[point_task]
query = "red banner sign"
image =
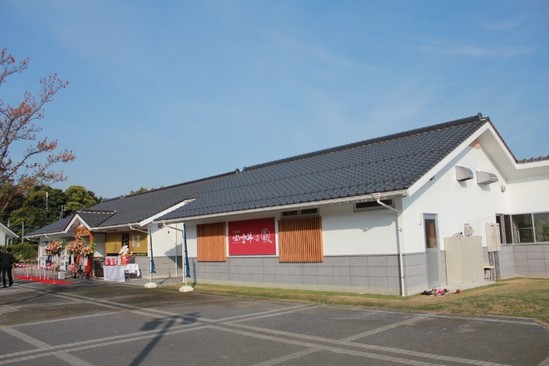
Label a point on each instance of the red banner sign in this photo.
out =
(252, 237)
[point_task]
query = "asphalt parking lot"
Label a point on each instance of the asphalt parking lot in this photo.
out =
(98, 323)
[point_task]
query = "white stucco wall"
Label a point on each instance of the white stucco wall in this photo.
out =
(168, 240)
(357, 233)
(345, 232)
(528, 195)
(455, 203)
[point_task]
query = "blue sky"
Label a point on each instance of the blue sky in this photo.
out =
(163, 92)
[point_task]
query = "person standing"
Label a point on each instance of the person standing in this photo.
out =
(6, 262)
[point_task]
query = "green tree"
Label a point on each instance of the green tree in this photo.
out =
(140, 190)
(41, 206)
(23, 252)
(78, 197)
(15, 202)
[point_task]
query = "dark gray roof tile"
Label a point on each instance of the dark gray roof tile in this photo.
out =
(383, 164)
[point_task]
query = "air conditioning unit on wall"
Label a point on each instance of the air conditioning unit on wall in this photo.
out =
(486, 178)
(463, 173)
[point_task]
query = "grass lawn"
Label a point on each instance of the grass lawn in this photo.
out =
(521, 297)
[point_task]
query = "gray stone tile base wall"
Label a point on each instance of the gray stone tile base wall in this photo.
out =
(368, 274)
(523, 260)
(530, 260)
(377, 274)
(165, 266)
(372, 274)
(415, 272)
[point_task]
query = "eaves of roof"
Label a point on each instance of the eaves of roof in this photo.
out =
(7, 231)
(56, 228)
(330, 202)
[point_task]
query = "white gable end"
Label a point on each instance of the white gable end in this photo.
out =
(455, 203)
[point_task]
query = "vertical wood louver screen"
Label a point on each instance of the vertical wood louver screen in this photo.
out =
(211, 242)
(300, 240)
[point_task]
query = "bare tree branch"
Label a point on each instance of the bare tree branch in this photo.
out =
(17, 125)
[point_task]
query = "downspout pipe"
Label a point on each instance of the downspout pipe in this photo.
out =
(400, 259)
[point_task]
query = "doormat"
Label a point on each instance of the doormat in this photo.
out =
(47, 281)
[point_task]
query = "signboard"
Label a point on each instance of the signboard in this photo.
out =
(82, 231)
(252, 237)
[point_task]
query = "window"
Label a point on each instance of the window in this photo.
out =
(309, 211)
(504, 222)
(541, 223)
(304, 212)
(430, 225)
(524, 228)
(211, 242)
(369, 205)
(300, 240)
(290, 213)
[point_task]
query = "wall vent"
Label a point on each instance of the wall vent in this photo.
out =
(486, 178)
(463, 173)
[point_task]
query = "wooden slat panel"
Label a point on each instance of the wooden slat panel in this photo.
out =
(300, 240)
(211, 242)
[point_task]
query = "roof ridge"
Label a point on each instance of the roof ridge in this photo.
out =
(533, 159)
(476, 118)
(173, 186)
(97, 211)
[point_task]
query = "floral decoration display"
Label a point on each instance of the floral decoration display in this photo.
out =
(74, 268)
(87, 248)
(54, 248)
(74, 247)
(53, 266)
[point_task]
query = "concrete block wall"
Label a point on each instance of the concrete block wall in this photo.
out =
(367, 273)
(524, 260)
(165, 266)
(415, 269)
(373, 274)
(506, 261)
(531, 260)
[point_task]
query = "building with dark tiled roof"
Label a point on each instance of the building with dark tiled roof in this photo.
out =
(389, 215)
(6, 234)
(120, 220)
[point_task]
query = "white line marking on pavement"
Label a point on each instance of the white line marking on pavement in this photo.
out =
(70, 359)
(64, 319)
(385, 328)
(343, 343)
(319, 347)
(544, 362)
(292, 356)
